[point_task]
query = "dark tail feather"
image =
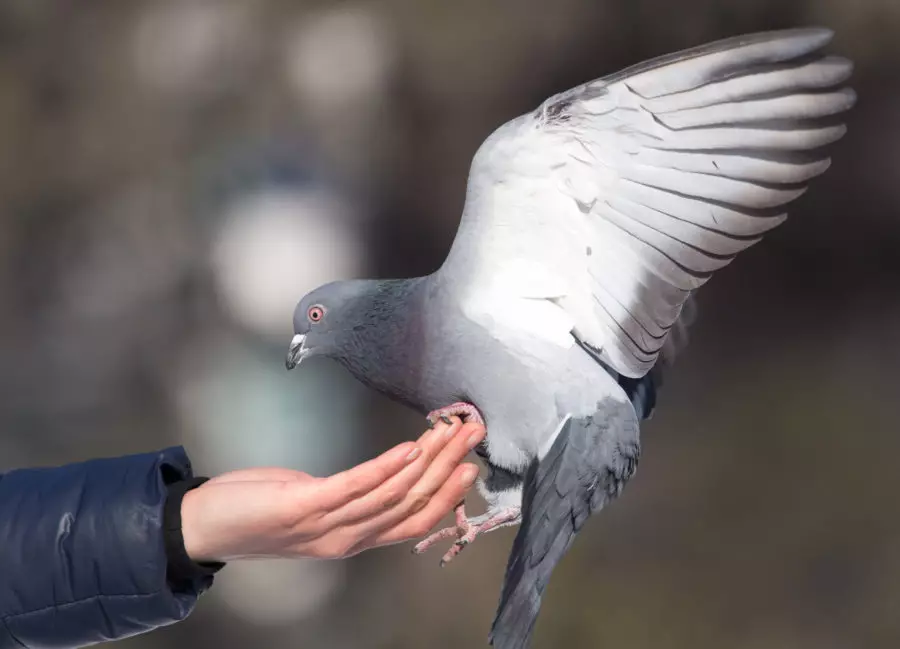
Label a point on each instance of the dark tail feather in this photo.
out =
(588, 464)
(519, 608)
(526, 579)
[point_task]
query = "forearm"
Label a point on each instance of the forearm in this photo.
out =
(83, 554)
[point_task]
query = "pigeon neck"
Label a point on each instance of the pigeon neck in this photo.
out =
(383, 347)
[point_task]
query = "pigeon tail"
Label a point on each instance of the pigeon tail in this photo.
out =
(589, 463)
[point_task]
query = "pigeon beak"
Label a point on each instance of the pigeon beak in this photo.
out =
(296, 352)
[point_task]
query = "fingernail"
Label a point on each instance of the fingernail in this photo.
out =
(474, 440)
(451, 430)
(469, 476)
(416, 452)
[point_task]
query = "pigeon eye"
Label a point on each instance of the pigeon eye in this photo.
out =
(315, 313)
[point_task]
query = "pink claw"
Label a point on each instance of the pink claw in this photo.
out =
(465, 411)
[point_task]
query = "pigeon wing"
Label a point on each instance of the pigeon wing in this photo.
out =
(598, 214)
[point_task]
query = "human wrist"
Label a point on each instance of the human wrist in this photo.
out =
(189, 558)
(194, 538)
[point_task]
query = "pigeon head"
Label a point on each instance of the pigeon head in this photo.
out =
(324, 317)
(370, 326)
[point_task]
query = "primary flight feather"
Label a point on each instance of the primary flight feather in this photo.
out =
(588, 224)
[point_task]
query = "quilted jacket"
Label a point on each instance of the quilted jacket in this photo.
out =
(82, 552)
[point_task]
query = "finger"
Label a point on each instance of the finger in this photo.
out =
(445, 464)
(347, 486)
(394, 490)
(434, 478)
(440, 428)
(353, 483)
(442, 503)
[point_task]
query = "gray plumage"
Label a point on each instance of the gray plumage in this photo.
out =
(588, 224)
(590, 461)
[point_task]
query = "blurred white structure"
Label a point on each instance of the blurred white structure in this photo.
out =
(190, 46)
(340, 58)
(274, 246)
(339, 63)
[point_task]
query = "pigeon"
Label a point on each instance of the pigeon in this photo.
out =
(588, 225)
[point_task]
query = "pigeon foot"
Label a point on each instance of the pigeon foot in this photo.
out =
(465, 411)
(468, 529)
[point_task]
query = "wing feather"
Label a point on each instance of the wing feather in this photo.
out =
(632, 190)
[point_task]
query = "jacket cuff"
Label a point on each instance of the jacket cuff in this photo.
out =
(181, 570)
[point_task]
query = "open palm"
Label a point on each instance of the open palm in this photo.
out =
(275, 512)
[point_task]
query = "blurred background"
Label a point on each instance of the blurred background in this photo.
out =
(175, 174)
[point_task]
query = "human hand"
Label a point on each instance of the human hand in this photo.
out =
(273, 512)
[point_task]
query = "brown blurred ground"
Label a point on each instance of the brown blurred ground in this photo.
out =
(766, 512)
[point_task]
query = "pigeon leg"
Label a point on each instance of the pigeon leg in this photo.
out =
(465, 411)
(468, 529)
(461, 528)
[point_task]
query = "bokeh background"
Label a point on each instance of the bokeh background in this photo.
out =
(175, 174)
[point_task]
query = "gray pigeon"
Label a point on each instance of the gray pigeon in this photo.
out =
(588, 224)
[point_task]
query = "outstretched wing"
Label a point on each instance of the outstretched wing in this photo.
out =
(596, 215)
(587, 465)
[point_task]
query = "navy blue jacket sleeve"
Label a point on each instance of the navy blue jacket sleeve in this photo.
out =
(82, 553)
